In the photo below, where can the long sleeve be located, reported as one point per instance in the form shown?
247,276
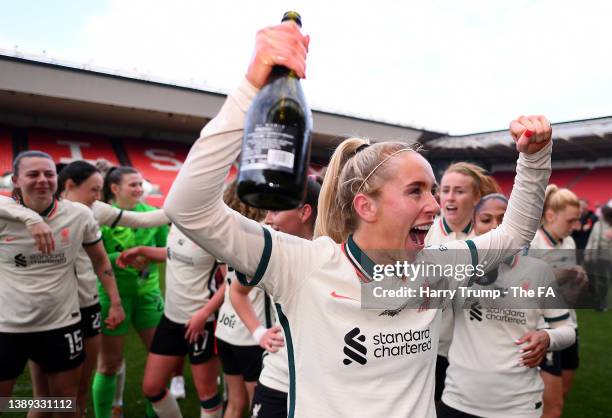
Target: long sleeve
521,220
109,215
195,206
562,334
9,209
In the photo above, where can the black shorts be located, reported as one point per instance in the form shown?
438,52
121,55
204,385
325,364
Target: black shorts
441,366
55,351
445,411
552,363
169,340
241,360
557,361
269,403
569,356
91,320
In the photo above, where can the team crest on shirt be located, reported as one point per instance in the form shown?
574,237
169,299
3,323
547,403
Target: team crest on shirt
65,234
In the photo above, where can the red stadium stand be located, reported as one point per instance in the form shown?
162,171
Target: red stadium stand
595,186
591,184
159,163
505,180
65,147
567,176
6,155
6,151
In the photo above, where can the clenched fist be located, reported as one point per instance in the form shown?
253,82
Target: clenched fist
531,133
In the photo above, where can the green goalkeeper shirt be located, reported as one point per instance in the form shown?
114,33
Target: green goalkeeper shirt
130,281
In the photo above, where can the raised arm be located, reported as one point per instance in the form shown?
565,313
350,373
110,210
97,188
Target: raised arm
112,216
195,204
40,231
522,219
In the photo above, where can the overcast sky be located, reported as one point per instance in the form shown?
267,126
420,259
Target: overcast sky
452,66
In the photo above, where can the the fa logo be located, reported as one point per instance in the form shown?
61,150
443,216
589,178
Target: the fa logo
354,350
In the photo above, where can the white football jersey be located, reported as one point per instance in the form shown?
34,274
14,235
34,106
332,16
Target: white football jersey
229,326
559,254
38,292
441,233
483,377
190,278
105,214
344,361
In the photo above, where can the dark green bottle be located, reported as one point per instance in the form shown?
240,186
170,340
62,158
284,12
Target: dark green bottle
276,144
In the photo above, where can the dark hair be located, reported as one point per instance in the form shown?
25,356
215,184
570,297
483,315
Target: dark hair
114,176
77,171
230,197
606,214
484,199
313,188
16,193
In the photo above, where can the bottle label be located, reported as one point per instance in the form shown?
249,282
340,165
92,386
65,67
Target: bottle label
270,146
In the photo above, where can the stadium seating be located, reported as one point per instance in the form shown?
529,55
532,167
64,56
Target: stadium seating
591,184
6,158
159,162
65,146
595,186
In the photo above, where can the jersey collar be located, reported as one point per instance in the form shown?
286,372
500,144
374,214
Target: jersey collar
446,229
49,212
553,242
364,266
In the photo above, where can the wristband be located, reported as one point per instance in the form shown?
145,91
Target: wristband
259,333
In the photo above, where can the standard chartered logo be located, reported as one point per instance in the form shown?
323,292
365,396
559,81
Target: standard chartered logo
385,345
476,312
354,350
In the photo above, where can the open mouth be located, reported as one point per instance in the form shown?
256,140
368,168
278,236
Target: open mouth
450,209
418,233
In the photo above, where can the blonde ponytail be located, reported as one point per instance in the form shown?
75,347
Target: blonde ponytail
331,218
557,199
354,168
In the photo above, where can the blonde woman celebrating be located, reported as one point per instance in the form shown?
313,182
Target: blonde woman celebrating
377,197
461,187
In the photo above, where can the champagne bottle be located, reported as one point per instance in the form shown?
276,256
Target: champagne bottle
276,145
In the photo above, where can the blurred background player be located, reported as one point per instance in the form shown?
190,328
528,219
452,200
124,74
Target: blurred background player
553,243
240,353
461,187
139,287
40,319
599,252
270,398
489,375
186,327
